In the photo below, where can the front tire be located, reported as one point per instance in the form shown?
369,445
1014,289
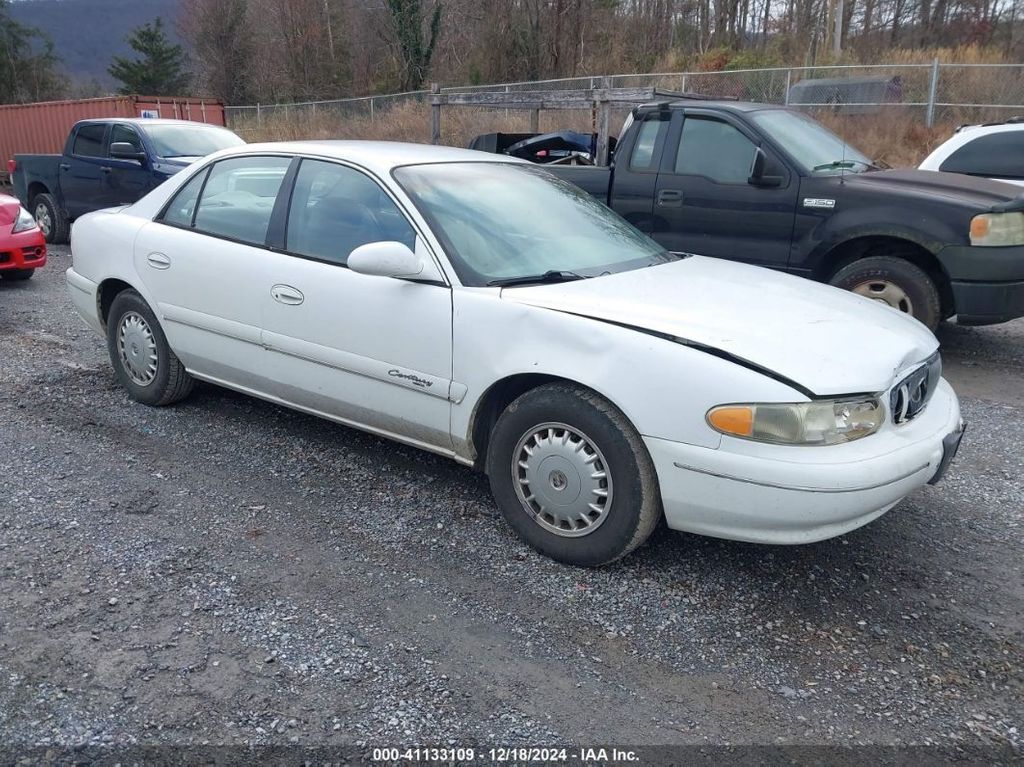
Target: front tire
55,226
572,476
895,282
144,363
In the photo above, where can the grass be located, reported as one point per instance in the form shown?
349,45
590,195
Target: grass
901,140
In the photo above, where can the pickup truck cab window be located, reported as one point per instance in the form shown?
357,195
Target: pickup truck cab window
644,157
714,149
335,209
89,140
123,133
238,198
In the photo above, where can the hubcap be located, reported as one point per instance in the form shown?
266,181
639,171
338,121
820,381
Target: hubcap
43,219
886,292
562,480
136,347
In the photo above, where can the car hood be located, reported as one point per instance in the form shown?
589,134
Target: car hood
823,339
981,193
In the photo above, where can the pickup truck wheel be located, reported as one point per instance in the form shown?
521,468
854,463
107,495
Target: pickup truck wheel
896,282
51,221
17,274
572,476
144,363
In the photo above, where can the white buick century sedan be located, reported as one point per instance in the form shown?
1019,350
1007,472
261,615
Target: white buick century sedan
475,306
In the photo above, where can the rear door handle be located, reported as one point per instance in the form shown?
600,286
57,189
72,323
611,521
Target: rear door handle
670,198
65,166
158,261
287,295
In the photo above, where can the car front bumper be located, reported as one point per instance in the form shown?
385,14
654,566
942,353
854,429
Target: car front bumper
24,250
987,283
788,495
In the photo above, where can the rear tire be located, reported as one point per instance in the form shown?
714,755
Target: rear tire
144,363
896,282
55,226
17,275
545,454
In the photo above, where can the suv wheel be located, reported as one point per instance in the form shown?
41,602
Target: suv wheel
51,221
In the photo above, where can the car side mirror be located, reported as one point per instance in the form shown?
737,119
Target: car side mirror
392,259
122,150
757,171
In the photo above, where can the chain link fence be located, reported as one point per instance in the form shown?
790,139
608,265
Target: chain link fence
930,93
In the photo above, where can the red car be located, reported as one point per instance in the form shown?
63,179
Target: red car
22,244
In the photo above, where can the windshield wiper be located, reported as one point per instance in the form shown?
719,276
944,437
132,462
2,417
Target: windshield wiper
552,275
835,164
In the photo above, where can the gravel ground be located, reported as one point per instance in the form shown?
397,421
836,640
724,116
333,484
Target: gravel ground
230,572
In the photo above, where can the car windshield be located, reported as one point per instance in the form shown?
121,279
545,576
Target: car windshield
812,145
510,223
190,140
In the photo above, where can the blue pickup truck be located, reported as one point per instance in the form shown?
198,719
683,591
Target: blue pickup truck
107,163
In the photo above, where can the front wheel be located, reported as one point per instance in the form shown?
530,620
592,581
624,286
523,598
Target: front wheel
144,363
572,476
895,282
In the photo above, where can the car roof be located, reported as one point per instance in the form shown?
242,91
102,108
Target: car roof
378,156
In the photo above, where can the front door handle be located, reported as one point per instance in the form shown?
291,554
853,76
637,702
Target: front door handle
106,168
158,261
287,295
670,198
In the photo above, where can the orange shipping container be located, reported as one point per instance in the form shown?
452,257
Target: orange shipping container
43,128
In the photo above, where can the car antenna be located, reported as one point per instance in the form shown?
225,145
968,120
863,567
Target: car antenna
842,166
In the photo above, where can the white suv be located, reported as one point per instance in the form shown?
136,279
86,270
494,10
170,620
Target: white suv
994,150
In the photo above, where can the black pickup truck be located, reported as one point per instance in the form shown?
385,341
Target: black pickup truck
107,163
770,186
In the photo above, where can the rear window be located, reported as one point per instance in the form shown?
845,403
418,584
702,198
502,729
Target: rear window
997,155
89,140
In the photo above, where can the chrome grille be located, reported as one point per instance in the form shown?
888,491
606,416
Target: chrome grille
911,394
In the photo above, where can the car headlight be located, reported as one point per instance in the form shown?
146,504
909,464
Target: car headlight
997,229
23,222
822,422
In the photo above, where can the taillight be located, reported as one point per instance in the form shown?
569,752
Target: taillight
12,165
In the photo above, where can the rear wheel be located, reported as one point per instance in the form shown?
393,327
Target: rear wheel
895,282
51,221
144,363
17,274
572,476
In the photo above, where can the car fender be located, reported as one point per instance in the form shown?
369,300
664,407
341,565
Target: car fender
663,387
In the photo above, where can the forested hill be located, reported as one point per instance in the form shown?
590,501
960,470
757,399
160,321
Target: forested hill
88,33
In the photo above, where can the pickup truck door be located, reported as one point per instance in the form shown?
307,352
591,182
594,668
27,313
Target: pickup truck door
80,175
123,181
704,203
371,351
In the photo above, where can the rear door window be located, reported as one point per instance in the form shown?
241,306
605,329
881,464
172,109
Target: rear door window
89,141
238,198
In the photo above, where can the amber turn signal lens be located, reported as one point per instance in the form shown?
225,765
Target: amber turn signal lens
733,420
979,227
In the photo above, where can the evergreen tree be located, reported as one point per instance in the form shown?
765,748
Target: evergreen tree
415,53
26,75
161,68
